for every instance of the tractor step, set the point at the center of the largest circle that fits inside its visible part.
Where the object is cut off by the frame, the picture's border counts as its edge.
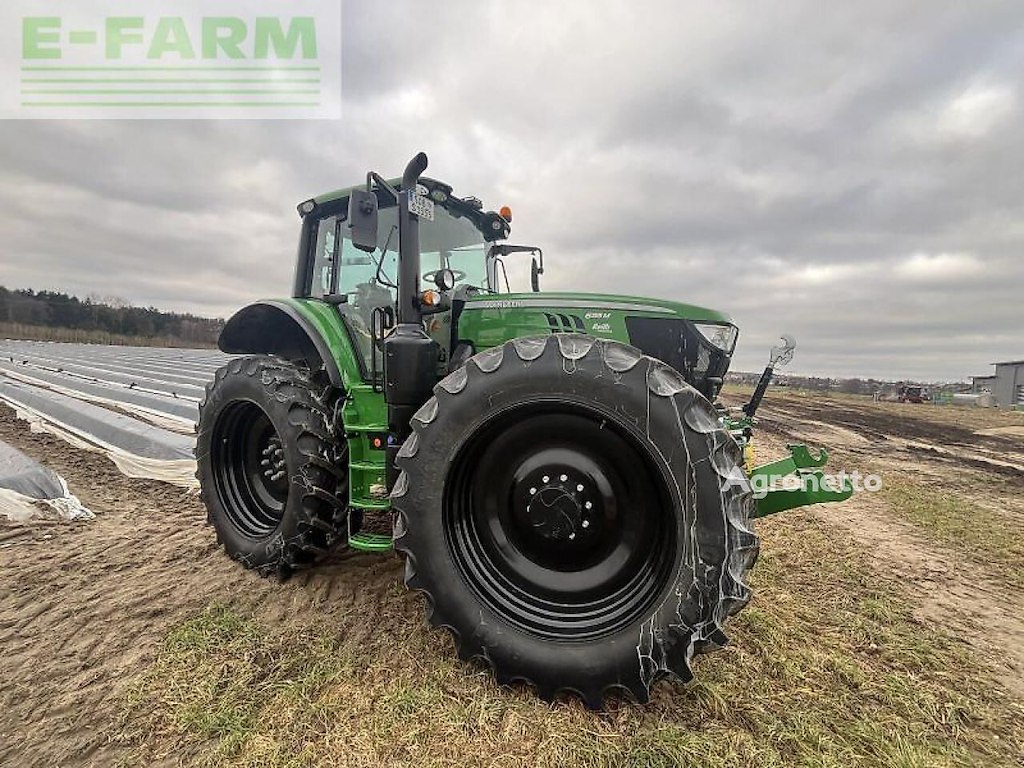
(367, 466)
(370, 542)
(373, 506)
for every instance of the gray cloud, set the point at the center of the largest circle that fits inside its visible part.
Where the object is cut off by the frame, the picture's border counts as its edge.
(850, 174)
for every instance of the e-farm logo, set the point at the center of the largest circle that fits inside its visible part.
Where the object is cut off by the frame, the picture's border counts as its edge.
(170, 59)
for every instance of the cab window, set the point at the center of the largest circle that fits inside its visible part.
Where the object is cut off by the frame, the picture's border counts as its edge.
(323, 257)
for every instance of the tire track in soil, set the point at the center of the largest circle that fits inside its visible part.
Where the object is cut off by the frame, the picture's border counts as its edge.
(997, 451)
(950, 592)
(84, 607)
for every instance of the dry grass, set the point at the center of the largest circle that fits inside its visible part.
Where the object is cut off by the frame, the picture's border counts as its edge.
(987, 537)
(828, 667)
(26, 332)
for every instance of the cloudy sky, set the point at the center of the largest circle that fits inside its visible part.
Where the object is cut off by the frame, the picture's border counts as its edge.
(850, 173)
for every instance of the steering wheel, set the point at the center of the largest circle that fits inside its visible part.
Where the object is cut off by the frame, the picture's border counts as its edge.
(458, 274)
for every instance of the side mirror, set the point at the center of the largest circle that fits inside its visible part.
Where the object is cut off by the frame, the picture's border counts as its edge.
(535, 273)
(362, 219)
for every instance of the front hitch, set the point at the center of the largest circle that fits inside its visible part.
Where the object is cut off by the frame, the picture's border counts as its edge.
(773, 484)
(812, 488)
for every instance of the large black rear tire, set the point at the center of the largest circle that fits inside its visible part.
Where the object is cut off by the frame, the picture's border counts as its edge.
(576, 516)
(272, 465)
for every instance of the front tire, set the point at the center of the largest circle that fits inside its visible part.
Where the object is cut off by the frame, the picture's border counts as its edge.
(271, 465)
(587, 529)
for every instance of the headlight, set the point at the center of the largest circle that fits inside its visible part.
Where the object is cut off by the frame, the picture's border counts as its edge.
(721, 336)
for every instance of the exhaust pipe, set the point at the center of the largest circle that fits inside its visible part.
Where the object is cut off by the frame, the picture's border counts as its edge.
(410, 356)
(409, 245)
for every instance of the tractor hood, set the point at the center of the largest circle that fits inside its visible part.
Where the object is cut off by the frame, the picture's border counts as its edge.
(697, 342)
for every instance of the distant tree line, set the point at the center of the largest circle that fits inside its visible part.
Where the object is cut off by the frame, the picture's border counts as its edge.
(98, 318)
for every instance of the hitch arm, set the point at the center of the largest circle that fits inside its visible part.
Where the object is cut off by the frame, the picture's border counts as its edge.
(762, 386)
(812, 488)
(799, 458)
(778, 357)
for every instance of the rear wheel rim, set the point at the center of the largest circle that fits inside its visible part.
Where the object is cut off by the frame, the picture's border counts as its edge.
(249, 469)
(557, 520)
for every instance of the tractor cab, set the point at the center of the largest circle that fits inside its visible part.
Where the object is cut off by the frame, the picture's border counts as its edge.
(460, 258)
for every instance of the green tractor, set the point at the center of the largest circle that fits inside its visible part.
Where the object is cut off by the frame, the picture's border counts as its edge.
(561, 484)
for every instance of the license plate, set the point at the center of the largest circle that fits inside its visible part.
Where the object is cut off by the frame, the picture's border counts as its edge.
(422, 206)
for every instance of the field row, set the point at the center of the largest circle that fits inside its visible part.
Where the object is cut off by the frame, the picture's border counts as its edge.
(137, 404)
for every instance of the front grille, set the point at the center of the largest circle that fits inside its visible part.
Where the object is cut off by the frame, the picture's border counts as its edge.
(679, 344)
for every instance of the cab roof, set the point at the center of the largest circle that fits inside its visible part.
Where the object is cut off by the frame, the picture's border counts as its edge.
(491, 225)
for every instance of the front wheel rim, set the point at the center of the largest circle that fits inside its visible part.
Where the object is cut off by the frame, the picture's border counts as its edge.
(558, 521)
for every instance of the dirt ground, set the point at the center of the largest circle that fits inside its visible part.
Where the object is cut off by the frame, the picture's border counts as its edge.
(83, 607)
(979, 452)
(86, 607)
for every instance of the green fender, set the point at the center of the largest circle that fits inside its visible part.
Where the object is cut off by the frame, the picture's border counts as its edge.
(295, 329)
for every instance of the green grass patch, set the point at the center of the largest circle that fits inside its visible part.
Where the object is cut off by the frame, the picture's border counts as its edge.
(991, 539)
(827, 667)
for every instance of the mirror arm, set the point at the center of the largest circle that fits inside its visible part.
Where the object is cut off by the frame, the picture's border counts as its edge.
(504, 250)
(374, 177)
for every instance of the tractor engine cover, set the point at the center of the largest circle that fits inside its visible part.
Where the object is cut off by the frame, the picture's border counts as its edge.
(695, 341)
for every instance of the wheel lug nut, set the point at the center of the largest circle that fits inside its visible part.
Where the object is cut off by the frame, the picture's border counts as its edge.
(586, 523)
(545, 479)
(588, 505)
(563, 478)
(533, 491)
(579, 488)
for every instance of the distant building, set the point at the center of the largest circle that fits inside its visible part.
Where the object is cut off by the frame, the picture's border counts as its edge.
(981, 384)
(1006, 385)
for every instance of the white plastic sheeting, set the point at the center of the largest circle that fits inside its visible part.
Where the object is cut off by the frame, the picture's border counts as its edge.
(29, 490)
(136, 405)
